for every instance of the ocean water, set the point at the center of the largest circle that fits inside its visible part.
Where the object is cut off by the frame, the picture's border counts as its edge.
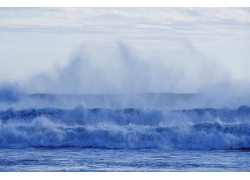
(43, 134)
(72, 159)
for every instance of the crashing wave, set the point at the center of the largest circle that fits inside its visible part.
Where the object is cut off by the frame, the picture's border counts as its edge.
(126, 128)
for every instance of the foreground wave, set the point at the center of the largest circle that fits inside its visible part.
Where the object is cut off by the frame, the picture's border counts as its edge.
(126, 128)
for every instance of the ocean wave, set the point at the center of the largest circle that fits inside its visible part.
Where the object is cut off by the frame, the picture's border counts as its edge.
(126, 128)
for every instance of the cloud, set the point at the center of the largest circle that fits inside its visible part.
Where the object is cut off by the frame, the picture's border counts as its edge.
(195, 24)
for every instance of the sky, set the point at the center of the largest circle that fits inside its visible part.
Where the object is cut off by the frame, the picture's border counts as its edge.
(125, 50)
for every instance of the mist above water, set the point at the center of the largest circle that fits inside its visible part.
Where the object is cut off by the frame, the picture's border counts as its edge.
(121, 77)
(127, 70)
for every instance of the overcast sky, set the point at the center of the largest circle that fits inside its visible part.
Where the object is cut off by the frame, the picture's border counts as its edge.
(115, 50)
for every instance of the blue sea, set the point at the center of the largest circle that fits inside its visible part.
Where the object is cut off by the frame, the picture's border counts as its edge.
(149, 133)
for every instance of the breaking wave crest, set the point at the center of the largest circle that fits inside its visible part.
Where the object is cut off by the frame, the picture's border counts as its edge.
(126, 128)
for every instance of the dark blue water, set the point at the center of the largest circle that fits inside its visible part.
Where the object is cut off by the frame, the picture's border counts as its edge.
(99, 160)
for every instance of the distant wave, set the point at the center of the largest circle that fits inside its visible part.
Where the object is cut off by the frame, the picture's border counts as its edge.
(114, 101)
(206, 128)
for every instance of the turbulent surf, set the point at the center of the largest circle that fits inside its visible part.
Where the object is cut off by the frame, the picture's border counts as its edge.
(124, 128)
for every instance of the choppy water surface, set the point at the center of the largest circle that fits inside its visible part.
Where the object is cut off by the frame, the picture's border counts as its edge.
(91, 159)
